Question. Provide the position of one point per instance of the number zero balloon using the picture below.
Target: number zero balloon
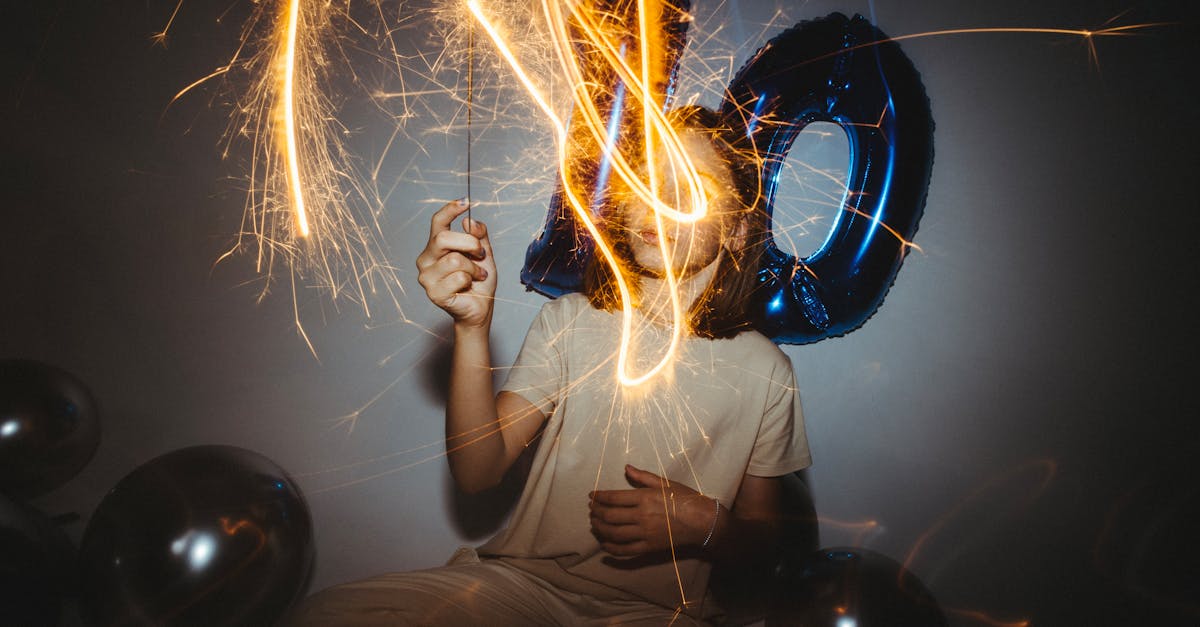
(835, 69)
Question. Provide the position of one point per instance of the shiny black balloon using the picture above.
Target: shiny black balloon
(844, 71)
(36, 566)
(48, 427)
(207, 535)
(842, 586)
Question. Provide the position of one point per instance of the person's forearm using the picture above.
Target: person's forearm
(474, 446)
(741, 539)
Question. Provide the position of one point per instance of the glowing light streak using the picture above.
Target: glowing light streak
(610, 143)
(1088, 35)
(863, 529)
(1018, 488)
(489, 430)
(160, 38)
(981, 617)
(650, 132)
(642, 90)
(312, 211)
(289, 117)
(656, 131)
(1033, 477)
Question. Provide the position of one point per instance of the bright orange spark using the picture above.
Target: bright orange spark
(160, 38)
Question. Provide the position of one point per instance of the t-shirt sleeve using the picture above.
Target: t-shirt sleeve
(537, 373)
(782, 445)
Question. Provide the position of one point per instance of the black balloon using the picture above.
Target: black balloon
(207, 535)
(48, 427)
(852, 586)
(36, 566)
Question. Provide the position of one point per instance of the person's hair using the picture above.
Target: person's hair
(721, 310)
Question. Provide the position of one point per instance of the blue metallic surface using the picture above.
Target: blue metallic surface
(834, 69)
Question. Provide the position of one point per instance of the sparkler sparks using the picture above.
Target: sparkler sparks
(313, 213)
(309, 174)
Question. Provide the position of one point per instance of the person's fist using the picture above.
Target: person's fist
(458, 270)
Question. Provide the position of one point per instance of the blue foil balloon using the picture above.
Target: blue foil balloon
(844, 71)
(834, 69)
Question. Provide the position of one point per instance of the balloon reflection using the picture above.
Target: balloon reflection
(212, 535)
(48, 427)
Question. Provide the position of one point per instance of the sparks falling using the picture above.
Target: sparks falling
(313, 210)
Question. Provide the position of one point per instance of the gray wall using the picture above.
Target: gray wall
(1014, 422)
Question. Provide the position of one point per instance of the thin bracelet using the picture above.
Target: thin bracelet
(716, 515)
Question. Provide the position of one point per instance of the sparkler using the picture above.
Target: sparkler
(312, 211)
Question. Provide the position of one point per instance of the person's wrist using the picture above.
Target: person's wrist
(714, 513)
(468, 328)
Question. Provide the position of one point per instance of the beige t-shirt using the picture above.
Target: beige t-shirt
(723, 409)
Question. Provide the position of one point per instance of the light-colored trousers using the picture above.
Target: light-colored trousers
(468, 592)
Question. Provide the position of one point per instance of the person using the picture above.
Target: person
(634, 490)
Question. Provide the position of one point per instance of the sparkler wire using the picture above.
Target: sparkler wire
(470, 105)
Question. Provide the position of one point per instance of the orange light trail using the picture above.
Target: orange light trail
(160, 38)
(314, 215)
(1087, 34)
(289, 117)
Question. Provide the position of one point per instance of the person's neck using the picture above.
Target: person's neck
(655, 293)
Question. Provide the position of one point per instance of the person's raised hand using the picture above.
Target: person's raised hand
(458, 270)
